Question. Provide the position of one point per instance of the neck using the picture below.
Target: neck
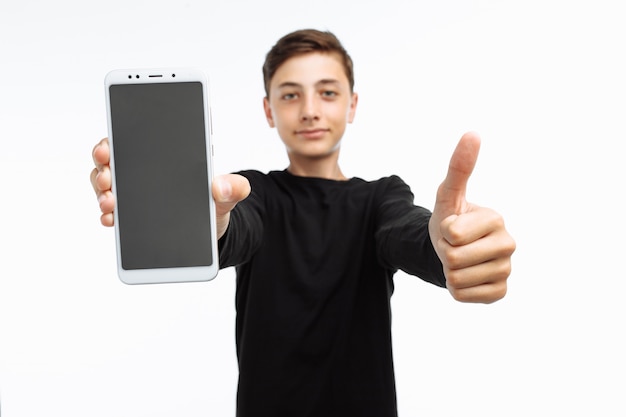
(319, 168)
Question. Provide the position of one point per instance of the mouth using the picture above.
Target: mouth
(312, 133)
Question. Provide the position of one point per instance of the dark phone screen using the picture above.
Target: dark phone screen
(160, 158)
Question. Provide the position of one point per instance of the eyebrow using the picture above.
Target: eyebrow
(327, 81)
(323, 81)
(289, 84)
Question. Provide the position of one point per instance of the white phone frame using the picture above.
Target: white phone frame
(164, 75)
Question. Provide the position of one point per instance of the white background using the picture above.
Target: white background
(543, 82)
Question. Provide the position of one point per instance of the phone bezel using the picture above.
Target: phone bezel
(155, 76)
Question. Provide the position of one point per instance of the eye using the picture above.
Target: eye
(329, 93)
(289, 96)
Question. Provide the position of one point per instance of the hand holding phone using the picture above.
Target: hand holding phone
(161, 171)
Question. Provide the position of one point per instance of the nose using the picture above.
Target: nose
(310, 110)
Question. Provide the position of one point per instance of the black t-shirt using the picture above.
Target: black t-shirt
(315, 260)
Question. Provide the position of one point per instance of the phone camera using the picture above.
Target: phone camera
(173, 75)
(137, 76)
(130, 76)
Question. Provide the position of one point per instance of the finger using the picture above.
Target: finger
(101, 153)
(92, 178)
(499, 245)
(475, 253)
(452, 191)
(470, 226)
(473, 238)
(101, 181)
(106, 200)
(488, 272)
(107, 219)
(486, 293)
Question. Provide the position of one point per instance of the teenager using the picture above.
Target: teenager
(315, 252)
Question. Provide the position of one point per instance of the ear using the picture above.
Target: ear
(352, 108)
(268, 112)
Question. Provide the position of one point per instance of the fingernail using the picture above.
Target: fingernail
(226, 190)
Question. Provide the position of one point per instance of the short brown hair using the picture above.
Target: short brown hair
(303, 42)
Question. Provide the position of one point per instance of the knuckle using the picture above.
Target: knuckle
(497, 219)
(452, 257)
(453, 279)
(512, 246)
(455, 233)
(460, 296)
(502, 273)
(498, 292)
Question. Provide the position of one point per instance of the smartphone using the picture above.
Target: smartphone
(161, 163)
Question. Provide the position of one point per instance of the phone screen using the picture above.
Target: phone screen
(161, 175)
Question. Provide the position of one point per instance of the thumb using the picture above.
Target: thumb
(228, 190)
(451, 192)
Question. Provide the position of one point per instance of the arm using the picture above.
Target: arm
(402, 236)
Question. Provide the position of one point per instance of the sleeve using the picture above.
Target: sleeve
(402, 237)
(245, 228)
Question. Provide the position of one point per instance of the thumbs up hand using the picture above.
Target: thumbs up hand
(471, 241)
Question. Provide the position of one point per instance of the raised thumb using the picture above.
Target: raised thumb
(451, 192)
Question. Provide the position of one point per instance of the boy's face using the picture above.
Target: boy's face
(310, 104)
